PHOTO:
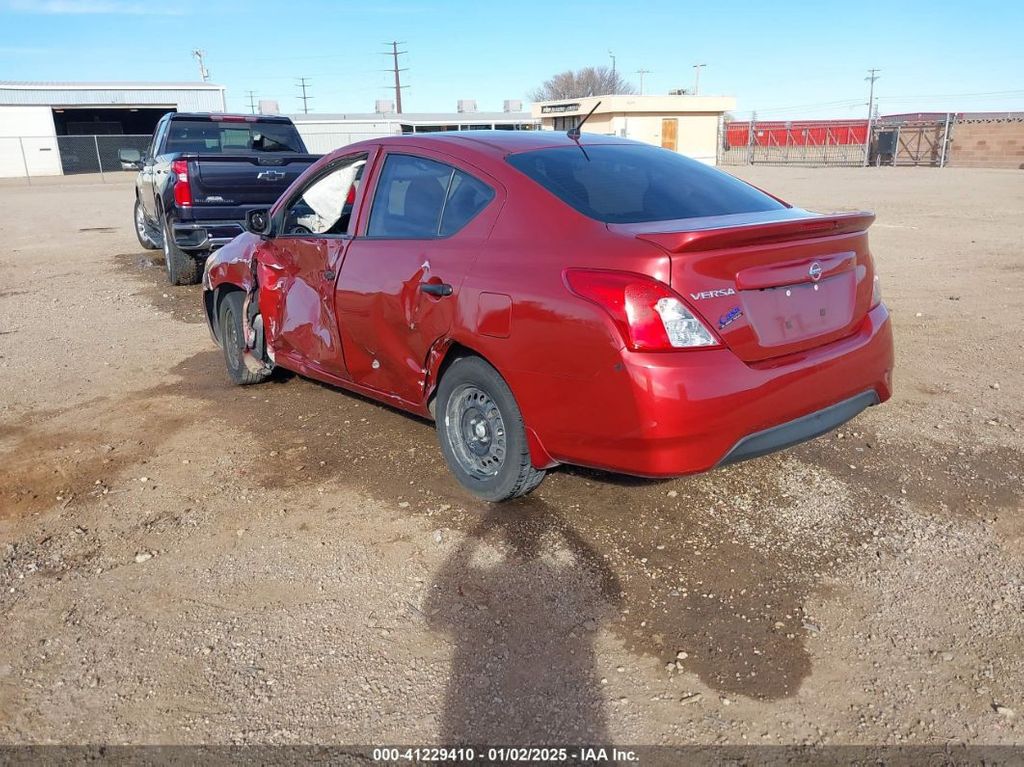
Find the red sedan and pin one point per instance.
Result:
(549, 299)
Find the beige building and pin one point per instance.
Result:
(689, 125)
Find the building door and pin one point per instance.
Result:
(670, 133)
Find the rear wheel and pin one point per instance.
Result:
(182, 268)
(481, 431)
(232, 341)
(149, 236)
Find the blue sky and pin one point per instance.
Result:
(784, 59)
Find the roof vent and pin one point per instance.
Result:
(384, 106)
(513, 105)
(467, 105)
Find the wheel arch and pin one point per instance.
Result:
(442, 356)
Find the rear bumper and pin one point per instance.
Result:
(204, 236)
(663, 415)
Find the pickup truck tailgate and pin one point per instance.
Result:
(230, 180)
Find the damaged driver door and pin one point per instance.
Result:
(298, 268)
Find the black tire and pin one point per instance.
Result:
(182, 268)
(232, 341)
(149, 236)
(486, 450)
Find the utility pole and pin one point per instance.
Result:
(252, 102)
(872, 76)
(395, 53)
(199, 55)
(642, 72)
(696, 78)
(612, 57)
(305, 99)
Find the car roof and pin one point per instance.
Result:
(502, 142)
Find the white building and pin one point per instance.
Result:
(37, 121)
(689, 125)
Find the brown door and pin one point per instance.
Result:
(669, 133)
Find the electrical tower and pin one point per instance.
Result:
(394, 53)
(304, 97)
(611, 55)
(252, 101)
(200, 55)
(642, 72)
(872, 76)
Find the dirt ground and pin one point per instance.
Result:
(186, 562)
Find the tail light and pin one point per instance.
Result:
(650, 316)
(182, 190)
(876, 285)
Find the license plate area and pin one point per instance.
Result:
(791, 313)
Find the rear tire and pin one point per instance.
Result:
(182, 267)
(148, 235)
(481, 432)
(232, 341)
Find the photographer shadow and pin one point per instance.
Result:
(522, 597)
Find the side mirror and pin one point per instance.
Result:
(130, 158)
(259, 222)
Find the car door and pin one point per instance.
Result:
(399, 284)
(147, 177)
(297, 270)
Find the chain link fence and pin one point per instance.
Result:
(31, 157)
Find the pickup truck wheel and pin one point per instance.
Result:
(149, 237)
(232, 341)
(182, 268)
(481, 431)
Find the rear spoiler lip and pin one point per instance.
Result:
(749, 229)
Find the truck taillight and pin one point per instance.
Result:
(650, 316)
(182, 190)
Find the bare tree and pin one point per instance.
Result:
(589, 81)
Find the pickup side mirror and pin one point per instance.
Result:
(259, 222)
(131, 159)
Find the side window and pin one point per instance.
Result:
(418, 198)
(409, 198)
(325, 206)
(466, 197)
(158, 137)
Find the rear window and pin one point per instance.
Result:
(627, 184)
(210, 137)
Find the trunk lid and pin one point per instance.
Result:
(771, 283)
(223, 179)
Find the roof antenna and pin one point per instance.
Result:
(574, 131)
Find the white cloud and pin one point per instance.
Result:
(89, 7)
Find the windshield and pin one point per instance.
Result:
(209, 137)
(630, 183)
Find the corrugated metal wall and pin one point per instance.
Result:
(185, 99)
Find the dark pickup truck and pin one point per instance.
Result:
(201, 176)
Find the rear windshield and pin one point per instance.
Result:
(229, 137)
(627, 184)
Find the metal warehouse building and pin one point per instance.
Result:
(47, 129)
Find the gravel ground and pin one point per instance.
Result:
(186, 562)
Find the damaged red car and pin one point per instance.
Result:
(548, 298)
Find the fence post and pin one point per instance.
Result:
(24, 159)
(99, 160)
(750, 138)
(945, 138)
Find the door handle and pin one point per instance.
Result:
(438, 289)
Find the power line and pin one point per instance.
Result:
(642, 72)
(395, 53)
(872, 76)
(304, 97)
(252, 101)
